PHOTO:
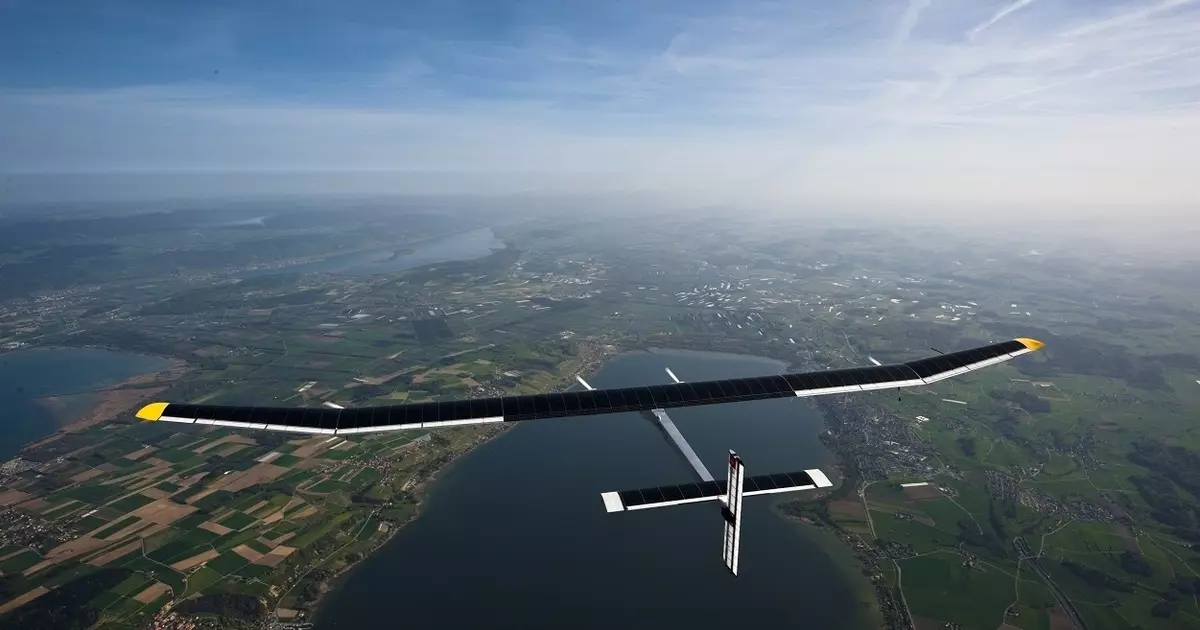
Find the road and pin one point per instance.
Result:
(1028, 555)
(862, 494)
(314, 565)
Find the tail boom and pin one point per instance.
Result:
(732, 511)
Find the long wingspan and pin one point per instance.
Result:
(558, 405)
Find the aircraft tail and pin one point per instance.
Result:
(732, 511)
(728, 493)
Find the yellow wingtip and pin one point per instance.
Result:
(152, 412)
(1033, 344)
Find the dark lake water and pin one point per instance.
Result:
(467, 245)
(26, 375)
(515, 534)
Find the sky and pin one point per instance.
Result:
(1043, 104)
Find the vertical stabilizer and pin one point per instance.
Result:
(732, 511)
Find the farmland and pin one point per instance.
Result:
(162, 530)
(1085, 451)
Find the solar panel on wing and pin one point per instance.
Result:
(562, 404)
(678, 494)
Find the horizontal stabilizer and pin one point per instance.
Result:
(663, 496)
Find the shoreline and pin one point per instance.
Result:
(91, 346)
(423, 491)
(426, 487)
(842, 551)
(667, 350)
(109, 401)
(868, 609)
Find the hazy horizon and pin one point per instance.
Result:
(1057, 107)
(1094, 231)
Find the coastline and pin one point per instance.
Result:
(108, 402)
(422, 492)
(837, 547)
(868, 609)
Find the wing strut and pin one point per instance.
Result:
(664, 423)
(668, 428)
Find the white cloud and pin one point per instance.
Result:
(781, 105)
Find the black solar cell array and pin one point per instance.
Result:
(696, 490)
(518, 408)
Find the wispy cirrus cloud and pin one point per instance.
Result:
(1128, 17)
(1017, 102)
(908, 21)
(1003, 12)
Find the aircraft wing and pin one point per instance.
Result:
(325, 420)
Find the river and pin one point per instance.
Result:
(30, 374)
(515, 535)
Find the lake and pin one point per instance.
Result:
(26, 375)
(467, 245)
(515, 534)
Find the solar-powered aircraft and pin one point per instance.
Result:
(651, 400)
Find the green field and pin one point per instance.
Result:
(237, 520)
(939, 587)
(116, 527)
(285, 460)
(365, 477)
(91, 493)
(281, 529)
(226, 563)
(130, 503)
(257, 546)
(216, 500)
(19, 562)
(182, 546)
(311, 535)
(175, 456)
(921, 537)
(326, 486)
(89, 523)
(201, 579)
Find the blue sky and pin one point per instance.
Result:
(1035, 102)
